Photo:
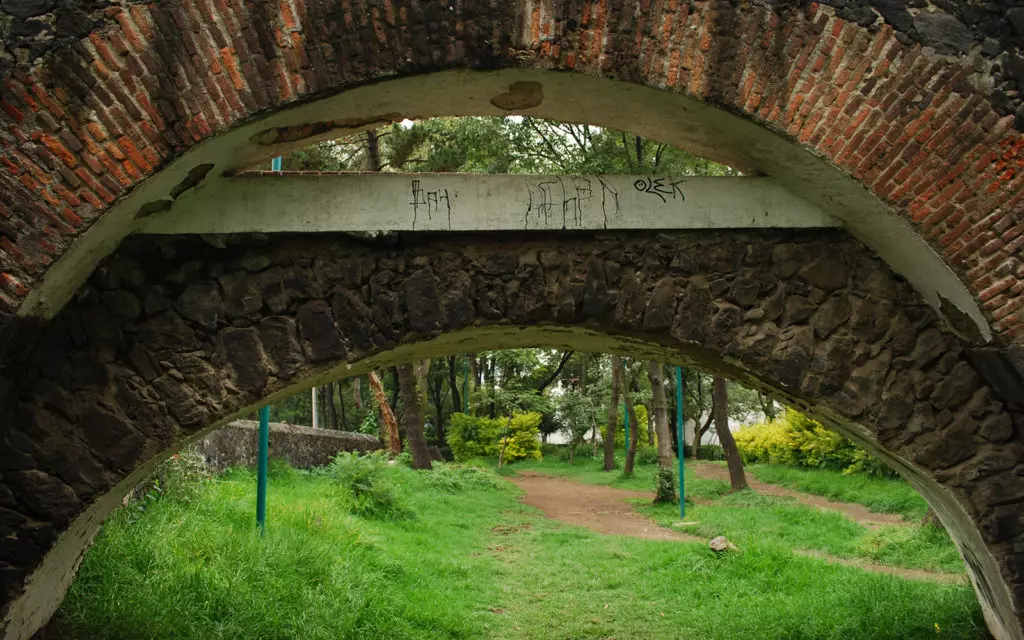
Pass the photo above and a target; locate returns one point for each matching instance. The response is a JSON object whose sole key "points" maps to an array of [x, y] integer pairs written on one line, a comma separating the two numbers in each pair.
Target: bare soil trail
{"points": [[858, 513], [596, 507], [604, 510]]}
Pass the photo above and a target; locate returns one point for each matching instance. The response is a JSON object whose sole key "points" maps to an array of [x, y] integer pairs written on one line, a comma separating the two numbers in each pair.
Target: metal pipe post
{"points": [[261, 469], [679, 422]]}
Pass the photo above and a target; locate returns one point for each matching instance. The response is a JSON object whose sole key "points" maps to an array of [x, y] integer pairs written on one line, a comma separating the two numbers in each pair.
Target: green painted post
{"points": [[465, 388], [261, 469], [679, 423]]}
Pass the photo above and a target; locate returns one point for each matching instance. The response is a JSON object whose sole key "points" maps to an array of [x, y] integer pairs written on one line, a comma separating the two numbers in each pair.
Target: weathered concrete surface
{"points": [[177, 334], [268, 202], [862, 117], [236, 444]]}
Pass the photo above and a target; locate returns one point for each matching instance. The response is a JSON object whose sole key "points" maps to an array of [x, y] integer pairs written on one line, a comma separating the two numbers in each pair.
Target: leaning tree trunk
{"points": [[613, 415], [656, 372], [387, 416], [737, 478], [412, 417], [357, 393], [631, 451]]}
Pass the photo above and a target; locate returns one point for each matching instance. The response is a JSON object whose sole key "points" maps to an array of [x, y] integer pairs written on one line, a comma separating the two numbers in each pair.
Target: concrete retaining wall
{"points": [[304, 447]]}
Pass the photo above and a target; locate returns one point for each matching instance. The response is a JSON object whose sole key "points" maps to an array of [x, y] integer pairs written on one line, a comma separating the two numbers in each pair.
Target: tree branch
{"points": [[561, 365]]}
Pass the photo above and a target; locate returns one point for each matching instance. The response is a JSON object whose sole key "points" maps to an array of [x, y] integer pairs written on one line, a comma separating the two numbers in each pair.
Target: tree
{"points": [[656, 372], [412, 417], [613, 415], [394, 443], [737, 478]]}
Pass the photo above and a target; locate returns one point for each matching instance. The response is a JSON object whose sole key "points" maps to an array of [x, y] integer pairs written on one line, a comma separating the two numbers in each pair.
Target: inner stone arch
{"points": [[176, 334]]}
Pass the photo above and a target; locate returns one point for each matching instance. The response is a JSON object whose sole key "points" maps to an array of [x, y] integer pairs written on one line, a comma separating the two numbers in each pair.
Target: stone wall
{"points": [[235, 444]]}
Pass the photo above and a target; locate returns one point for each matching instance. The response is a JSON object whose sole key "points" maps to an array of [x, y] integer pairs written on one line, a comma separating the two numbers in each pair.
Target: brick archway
{"points": [[901, 124], [174, 334], [920, 142]]}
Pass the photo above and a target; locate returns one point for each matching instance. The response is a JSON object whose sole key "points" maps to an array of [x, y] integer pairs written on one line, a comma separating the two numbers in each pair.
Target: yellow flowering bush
{"points": [[479, 437], [797, 441]]}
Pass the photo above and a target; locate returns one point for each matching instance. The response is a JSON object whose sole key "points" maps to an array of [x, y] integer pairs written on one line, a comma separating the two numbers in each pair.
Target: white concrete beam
{"points": [[270, 202]]}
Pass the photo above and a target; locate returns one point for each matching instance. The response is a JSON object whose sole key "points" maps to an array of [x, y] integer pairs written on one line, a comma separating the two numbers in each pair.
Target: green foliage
{"points": [[454, 478], [480, 437], [370, 423], [797, 441], [368, 485], [712, 452], [665, 487], [280, 470]]}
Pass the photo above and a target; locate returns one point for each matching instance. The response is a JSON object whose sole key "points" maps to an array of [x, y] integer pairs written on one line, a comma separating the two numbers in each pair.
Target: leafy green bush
{"points": [[454, 478], [279, 469], [665, 487], [797, 441], [368, 485], [480, 437], [711, 452]]}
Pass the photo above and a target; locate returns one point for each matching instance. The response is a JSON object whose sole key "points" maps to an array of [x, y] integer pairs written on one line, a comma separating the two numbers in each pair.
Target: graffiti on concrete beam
{"points": [[570, 197], [430, 201], [664, 188]]}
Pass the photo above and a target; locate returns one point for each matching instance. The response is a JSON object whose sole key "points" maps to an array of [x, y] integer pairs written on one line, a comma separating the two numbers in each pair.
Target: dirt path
{"points": [[858, 513], [594, 506], [604, 509]]}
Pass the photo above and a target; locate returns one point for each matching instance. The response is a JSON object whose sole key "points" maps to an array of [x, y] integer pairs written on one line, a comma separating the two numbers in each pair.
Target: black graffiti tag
{"points": [[661, 187]]}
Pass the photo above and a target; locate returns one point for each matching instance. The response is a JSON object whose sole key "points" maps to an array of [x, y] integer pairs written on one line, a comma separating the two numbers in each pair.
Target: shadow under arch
{"points": [[174, 335]]}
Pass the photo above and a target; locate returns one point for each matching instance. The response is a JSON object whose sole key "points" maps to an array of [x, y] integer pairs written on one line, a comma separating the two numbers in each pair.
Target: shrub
{"points": [[280, 469], [456, 477], [665, 487], [797, 441], [480, 437], [368, 485]]}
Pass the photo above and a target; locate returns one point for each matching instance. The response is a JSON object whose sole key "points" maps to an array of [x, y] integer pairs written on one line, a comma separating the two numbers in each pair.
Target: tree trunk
{"points": [[387, 416], [357, 393], [453, 382], [613, 415], [737, 478], [341, 402], [412, 417], [332, 411], [631, 452], [655, 372], [372, 151]]}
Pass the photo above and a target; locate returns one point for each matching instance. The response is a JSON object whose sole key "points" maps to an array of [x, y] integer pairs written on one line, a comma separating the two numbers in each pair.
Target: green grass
{"points": [[881, 495], [747, 518], [473, 563]]}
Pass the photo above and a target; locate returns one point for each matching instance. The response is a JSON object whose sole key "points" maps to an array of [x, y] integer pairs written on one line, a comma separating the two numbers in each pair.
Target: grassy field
{"points": [[465, 560], [881, 495]]}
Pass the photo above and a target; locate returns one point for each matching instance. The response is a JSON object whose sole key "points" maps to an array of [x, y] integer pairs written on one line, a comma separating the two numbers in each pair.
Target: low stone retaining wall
{"points": [[304, 447]]}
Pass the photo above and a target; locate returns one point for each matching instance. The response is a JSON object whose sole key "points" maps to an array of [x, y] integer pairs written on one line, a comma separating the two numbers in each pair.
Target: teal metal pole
{"points": [[465, 388], [679, 423], [261, 470], [263, 447]]}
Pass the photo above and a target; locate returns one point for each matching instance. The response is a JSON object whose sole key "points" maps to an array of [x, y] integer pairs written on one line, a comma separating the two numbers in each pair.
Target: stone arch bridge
{"points": [[868, 268]]}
